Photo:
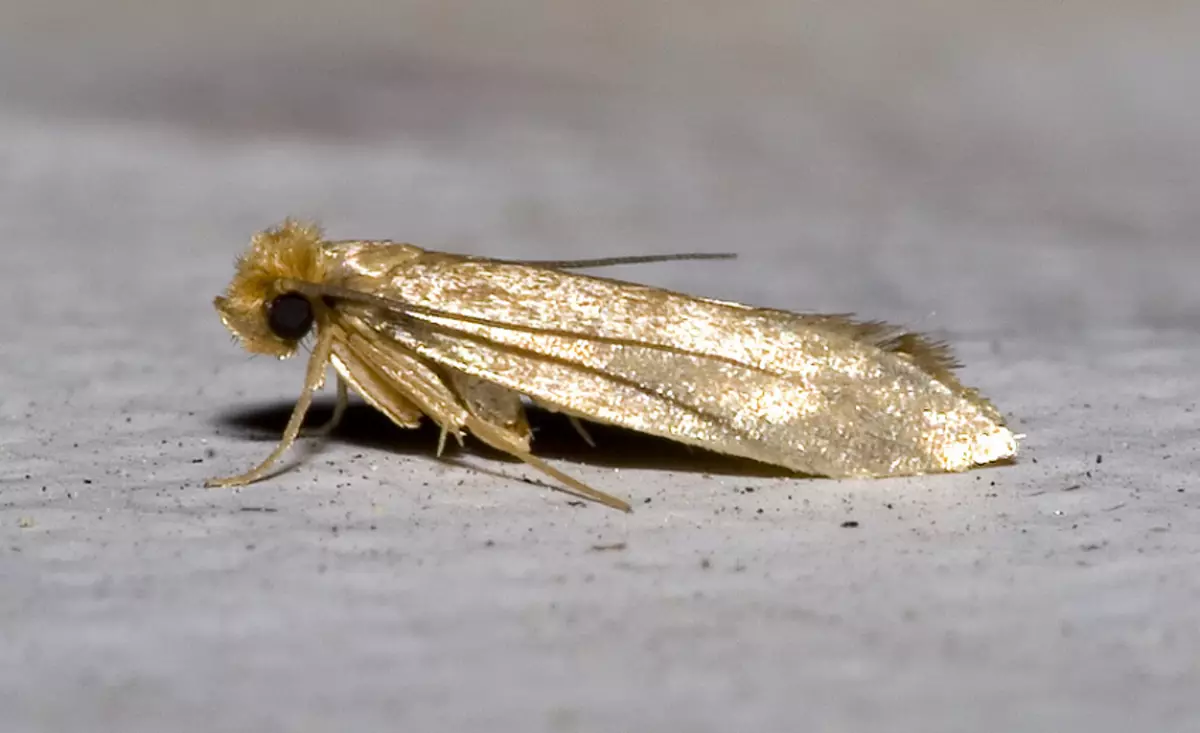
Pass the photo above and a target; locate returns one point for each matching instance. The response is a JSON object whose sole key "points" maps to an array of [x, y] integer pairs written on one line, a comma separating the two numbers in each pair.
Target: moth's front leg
{"points": [[313, 378]]}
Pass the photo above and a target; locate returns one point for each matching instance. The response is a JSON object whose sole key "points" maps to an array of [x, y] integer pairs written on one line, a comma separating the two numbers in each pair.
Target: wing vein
{"points": [[617, 378], [403, 308]]}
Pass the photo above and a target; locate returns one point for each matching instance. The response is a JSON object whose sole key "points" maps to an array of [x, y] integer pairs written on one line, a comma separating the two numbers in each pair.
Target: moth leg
{"points": [[575, 422], [373, 388], [428, 390], [492, 403], [408, 375], [498, 419], [442, 440], [583, 433], [314, 376], [339, 411], [501, 439]]}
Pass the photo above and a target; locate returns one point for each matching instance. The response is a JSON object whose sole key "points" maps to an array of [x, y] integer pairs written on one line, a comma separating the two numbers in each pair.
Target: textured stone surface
{"points": [[1019, 179]]}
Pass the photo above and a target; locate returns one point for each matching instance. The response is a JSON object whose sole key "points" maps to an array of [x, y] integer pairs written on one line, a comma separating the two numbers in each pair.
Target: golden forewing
{"points": [[819, 394], [543, 299]]}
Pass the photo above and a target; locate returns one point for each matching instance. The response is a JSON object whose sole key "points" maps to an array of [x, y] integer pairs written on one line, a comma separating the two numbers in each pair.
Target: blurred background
{"points": [[967, 165]]}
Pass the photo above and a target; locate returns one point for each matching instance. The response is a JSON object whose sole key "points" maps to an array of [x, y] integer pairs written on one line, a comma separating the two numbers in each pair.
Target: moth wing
{"points": [[833, 422], [543, 298], [817, 394]]}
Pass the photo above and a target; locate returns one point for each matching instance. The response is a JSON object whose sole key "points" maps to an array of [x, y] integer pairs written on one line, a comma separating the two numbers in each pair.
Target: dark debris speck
{"points": [[609, 547]]}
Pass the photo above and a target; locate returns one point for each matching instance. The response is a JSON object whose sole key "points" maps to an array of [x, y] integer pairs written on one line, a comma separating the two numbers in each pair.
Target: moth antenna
{"points": [[626, 260]]}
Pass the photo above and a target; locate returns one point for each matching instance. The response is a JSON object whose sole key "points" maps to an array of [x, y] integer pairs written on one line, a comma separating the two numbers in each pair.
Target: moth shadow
{"points": [[553, 438]]}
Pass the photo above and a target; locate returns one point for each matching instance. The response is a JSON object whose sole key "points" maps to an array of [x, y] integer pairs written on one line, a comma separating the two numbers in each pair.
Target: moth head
{"points": [[259, 307]]}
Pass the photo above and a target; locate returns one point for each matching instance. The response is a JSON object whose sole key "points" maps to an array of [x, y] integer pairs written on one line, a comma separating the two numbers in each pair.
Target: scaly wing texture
{"points": [[817, 394]]}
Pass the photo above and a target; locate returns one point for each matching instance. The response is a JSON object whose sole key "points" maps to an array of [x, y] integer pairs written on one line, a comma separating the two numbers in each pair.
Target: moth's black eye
{"points": [[290, 316]]}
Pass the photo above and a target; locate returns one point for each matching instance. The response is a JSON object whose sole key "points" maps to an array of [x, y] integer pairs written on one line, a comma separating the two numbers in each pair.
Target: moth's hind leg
{"points": [[576, 422], [514, 445], [497, 418]]}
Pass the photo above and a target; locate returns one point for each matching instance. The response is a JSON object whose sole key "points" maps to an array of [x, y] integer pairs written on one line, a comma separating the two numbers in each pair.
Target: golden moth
{"points": [[462, 340]]}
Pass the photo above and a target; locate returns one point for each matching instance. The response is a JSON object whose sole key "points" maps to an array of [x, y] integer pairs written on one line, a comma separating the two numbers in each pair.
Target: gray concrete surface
{"points": [[1021, 178]]}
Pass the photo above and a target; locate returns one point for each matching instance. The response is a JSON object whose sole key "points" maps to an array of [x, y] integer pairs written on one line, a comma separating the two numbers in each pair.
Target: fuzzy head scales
{"points": [[291, 251]]}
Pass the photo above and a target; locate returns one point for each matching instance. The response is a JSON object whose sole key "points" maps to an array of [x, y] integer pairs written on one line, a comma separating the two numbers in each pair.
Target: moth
{"points": [[465, 340]]}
